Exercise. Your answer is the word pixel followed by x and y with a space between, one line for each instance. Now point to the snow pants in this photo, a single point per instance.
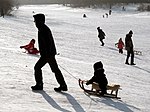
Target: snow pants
pixel 121 51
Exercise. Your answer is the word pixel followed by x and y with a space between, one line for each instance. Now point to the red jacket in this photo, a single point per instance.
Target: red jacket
pixel 30 48
pixel 120 44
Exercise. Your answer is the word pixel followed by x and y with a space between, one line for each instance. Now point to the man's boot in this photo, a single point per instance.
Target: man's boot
pixel 61 88
pixel 37 87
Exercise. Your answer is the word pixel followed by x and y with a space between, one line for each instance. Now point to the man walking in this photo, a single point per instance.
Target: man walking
pixel 101 35
pixel 47 51
pixel 129 48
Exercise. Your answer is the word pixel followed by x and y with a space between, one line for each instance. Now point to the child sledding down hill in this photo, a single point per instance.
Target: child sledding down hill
pixel 30 47
pixel 99 77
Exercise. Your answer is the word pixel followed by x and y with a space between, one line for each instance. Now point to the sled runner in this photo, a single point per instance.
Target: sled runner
pixel 137 52
pixel 112 90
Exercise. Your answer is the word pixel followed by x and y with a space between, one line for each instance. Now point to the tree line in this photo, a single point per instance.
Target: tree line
pixel 80 1
pixel 6 6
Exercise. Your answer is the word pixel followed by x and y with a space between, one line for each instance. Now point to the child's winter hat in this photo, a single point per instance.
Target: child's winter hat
pixel 39 18
pixel 98 65
pixel 33 40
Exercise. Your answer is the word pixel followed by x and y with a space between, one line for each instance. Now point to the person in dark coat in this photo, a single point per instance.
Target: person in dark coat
pixel 129 47
pixel 84 16
pixel 99 77
pixel 110 11
pixel 101 35
pixel 47 51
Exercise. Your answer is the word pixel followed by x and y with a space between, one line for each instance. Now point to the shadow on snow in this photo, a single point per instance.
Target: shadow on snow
pixel 77 107
pixel 117 104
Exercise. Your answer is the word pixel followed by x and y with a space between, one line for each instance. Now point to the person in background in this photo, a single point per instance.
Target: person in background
pixel 129 47
pixel 30 47
pixel 2 13
pixel 47 51
pixel 106 15
pixel 84 16
pixel 120 45
pixel 99 77
pixel 101 35
pixel 110 11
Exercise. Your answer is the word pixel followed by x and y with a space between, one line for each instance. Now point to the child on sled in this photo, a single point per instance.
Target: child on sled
pixel 30 47
pixel 99 77
pixel 120 45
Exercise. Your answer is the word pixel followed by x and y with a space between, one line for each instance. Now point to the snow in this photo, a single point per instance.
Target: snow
pixel 79 48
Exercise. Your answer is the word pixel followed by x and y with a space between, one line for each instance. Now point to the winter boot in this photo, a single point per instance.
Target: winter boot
pixel 102 44
pixel 37 87
pixel 61 88
pixel 126 63
pixel 133 64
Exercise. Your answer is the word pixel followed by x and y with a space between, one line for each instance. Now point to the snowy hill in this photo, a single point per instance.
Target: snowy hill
pixel 79 48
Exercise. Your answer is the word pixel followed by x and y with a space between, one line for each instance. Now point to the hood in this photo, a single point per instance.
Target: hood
pixel 98 65
pixel 39 18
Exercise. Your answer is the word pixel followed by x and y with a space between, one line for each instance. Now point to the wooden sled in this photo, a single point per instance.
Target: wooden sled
pixel 112 90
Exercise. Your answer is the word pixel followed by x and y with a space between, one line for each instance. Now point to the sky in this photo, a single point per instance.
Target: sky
pixel 79 48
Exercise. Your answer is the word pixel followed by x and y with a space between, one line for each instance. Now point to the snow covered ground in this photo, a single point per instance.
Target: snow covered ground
pixel 79 48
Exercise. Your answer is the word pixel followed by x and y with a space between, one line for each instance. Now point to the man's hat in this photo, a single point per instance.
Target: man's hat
pixel 130 32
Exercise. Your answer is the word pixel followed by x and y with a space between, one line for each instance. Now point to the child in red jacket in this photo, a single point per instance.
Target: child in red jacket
pixel 30 47
pixel 120 45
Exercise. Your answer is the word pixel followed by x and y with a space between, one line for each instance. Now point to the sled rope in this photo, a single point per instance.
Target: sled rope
pixel 69 73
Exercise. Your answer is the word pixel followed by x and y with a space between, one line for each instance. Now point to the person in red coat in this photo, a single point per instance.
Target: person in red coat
pixel 120 45
pixel 30 47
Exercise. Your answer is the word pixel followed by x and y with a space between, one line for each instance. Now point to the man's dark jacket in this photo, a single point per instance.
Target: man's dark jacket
pixel 128 43
pixel 46 42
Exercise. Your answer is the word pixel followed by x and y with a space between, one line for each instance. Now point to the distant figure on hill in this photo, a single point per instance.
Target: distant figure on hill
pixel 101 35
pixel 30 47
pixel 106 15
pixel 110 11
pixel 123 8
pixel 120 45
pixel 99 77
pixel 84 16
pixel 129 47
pixel 2 13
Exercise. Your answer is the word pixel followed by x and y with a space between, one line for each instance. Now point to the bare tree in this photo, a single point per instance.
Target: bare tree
pixel 6 7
